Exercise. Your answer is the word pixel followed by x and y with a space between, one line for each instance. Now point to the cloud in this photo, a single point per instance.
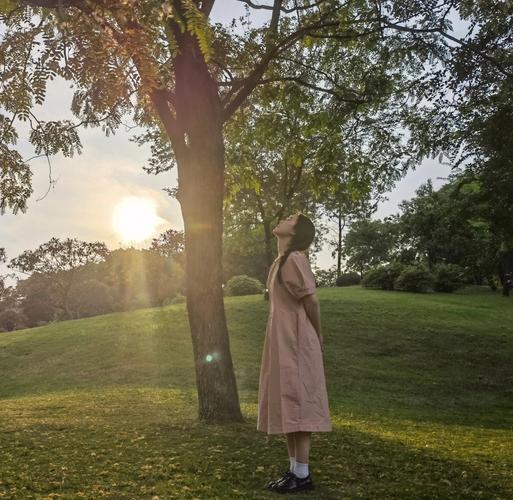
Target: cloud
pixel 85 189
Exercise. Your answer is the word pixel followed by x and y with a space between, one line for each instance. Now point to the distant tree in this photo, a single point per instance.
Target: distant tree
pixel 450 225
pixel 6 291
pixel 10 315
pixel 489 185
pixel 9 299
pixel 91 298
pixel 270 159
pixel 60 259
pixel 39 299
pixel 325 277
pixel 343 209
pixel 243 246
pixel 369 243
pixel 292 148
pixel 124 280
pixel 170 243
pixel 139 278
pixel 8 319
pixel 469 124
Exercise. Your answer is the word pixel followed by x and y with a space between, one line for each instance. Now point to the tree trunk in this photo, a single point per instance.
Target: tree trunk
pixel 339 243
pixel 506 271
pixel 268 234
pixel 268 243
pixel 200 159
pixel 201 201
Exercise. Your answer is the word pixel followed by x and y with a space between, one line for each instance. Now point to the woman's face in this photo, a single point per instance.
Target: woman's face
pixel 286 226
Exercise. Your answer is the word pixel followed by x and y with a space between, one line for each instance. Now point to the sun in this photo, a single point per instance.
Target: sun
pixel 135 219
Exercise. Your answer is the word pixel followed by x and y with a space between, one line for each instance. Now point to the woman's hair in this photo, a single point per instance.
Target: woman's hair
pixel 304 234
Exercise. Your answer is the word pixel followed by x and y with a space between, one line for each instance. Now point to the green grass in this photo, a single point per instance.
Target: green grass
pixel 420 388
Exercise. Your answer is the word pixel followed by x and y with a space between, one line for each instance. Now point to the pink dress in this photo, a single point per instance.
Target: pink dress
pixel 292 393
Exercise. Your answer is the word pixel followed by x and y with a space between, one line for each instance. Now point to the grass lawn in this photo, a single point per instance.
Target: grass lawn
pixel 420 389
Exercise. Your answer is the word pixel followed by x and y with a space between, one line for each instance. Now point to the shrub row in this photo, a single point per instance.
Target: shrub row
pixel 415 278
pixel 348 279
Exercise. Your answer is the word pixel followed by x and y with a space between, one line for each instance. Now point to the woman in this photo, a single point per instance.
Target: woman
pixel 292 396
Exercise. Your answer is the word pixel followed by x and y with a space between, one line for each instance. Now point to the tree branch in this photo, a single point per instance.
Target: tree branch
pixel 160 96
pixel 206 6
pixel 463 44
pixel 304 83
pixel 55 3
pixel 275 19
pixel 317 71
pixel 283 9
pixel 160 101
pixel 252 80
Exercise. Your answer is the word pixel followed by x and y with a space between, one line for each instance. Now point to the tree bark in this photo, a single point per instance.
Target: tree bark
pixel 199 147
pixel 201 202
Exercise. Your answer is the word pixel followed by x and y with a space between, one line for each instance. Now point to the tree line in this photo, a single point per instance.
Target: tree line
pixel 452 226
pixel 70 279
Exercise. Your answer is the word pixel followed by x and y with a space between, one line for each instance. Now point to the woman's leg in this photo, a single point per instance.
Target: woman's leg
pixel 291 447
pixel 302 454
pixel 302 446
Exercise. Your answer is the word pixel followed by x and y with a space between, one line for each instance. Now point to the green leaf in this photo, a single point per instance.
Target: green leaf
pixel 7 5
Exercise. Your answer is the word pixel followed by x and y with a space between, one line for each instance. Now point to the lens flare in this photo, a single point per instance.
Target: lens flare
pixel 135 219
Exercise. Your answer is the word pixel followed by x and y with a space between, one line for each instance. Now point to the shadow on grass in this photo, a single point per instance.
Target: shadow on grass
pixel 144 442
pixel 200 462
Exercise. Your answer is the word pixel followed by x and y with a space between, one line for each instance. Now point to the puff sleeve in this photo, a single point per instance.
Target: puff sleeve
pixel 297 275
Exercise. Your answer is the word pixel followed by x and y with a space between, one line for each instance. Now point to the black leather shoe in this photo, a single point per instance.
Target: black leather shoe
pixel 294 483
pixel 271 484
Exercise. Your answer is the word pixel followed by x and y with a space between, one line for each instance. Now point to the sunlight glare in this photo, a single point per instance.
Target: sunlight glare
pixel 135 219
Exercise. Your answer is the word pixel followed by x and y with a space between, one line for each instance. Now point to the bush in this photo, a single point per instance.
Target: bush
pixel 448 277
pixel 12 320
pixel 348 279
pixel 177 299
pixel 414 279
pixel 91 298
pixel 493 282
pixel 243 285
pixel 139 299
pixel 325 277
pixel 37 310
pixel 382 276
pixel 372 278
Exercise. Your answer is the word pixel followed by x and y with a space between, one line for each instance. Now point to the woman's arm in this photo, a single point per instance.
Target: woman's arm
pixel 313 310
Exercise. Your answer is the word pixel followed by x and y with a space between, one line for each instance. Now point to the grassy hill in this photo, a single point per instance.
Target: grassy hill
pixel 420 388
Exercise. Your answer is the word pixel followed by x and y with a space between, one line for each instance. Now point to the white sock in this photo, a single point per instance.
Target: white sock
pixel 292 463
pixel 301 470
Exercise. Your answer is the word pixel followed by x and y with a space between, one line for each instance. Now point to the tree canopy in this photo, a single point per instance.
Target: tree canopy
pixel 125 58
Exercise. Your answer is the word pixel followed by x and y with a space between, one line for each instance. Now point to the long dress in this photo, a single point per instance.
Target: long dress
pixel 292 393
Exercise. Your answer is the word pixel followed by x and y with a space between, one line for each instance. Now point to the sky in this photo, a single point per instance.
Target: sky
pixel 88 188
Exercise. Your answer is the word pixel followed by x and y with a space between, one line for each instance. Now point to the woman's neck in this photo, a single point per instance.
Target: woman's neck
pixel 283 244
